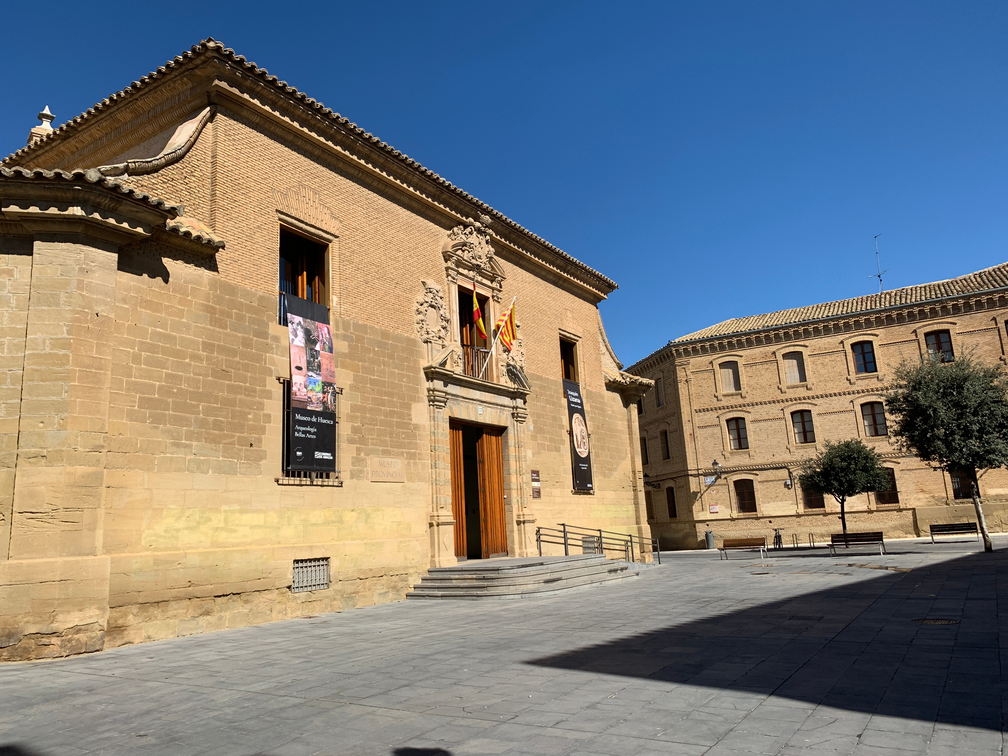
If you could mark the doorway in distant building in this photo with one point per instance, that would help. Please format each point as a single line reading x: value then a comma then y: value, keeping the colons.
x: 477, y: 482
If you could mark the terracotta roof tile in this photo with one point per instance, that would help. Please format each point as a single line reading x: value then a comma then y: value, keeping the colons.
x: 988, y: 279
x: 92, y: 176
x: 210, y: 45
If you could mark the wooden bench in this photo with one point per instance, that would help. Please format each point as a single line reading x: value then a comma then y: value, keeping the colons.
x: 954, y: 528
x: 856, y: 539
x: 740, y: 544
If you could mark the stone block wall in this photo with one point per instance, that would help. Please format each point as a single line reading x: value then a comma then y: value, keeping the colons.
x: 697, y: 409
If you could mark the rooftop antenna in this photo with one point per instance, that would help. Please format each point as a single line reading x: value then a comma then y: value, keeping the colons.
x: 878, y: 266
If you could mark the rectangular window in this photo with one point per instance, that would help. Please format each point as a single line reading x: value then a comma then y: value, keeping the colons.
x: 864, y: 357
x: 745, y: 496
x: 475, y: 346
x: 302, y: 270
x: 731, y: 381
x: 873, y: 414
x: 649, y: 506
x: 962, y: 484
x: 660, y: 392
x: 670, y: 502
x: 794, y: 368
x: 889, y: 495
x: 643, y: 450
x: 663, y: 437
x: 568, y: 360
x: 939, y: 345
x: 804, y: 433
x: 640, y: 406
x: 737, y: 433
x: 813, y: 500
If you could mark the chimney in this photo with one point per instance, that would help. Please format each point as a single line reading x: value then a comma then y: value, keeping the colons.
x: 44, y: 128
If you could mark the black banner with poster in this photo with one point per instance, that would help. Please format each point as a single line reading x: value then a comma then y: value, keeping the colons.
x: 580, y: 446
x: 311, y: 440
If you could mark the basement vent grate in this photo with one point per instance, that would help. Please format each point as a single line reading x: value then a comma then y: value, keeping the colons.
x: 936, y: 621
x: 310, y: 575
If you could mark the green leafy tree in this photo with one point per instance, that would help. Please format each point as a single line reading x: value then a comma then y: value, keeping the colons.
x: 842, y: 470
x: 953, y: 416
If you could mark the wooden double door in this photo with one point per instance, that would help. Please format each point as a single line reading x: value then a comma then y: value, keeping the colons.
x: 477, y: 479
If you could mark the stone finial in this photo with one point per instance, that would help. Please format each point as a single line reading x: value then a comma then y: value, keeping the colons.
x: 44, y: 128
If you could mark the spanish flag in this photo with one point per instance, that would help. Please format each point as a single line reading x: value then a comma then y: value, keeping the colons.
x: 505, y: 327
x: 477, y: 315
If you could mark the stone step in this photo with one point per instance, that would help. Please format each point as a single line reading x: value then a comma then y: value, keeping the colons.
x: 515, y: 578
x: 520, y: 577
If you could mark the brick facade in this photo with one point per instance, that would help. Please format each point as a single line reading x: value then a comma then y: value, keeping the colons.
x: 142, y: 493
x: 699, y: 405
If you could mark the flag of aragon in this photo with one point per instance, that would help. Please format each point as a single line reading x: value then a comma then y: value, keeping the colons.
x: 506, y: 327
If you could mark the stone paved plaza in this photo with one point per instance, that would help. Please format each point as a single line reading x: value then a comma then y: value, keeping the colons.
x: 801, y: 654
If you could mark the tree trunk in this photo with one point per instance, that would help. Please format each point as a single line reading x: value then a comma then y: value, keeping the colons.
x: 843, y: 514
x: 988, y: 546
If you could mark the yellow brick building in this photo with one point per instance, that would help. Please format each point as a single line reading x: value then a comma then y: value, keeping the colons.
x: 145, y: 486
x: 737, y: 407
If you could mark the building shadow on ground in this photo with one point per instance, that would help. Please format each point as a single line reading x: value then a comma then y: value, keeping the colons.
x: 13, y: 749
x: 859, y: 647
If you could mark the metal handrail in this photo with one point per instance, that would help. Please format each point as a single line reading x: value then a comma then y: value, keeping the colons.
x: 600, y: 540
x: 474, y: 360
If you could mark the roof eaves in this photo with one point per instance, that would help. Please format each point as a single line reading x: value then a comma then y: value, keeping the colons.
x: 838, y: 316
x: 210, y: 45
x: 91, y: 176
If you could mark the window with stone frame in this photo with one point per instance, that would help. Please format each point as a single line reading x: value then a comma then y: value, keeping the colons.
x: 738, y: 438
x: 890, y: 495
x: 873, y: 415
x: 813, y: 499
x: 568, y: 360
x: 962, y: 483
x: 302, y: 270
x: 801, y: 421
x: 864, y: 357
x: 663, y: 439
x: 731, y: 380
x: 745, y: 496
x: 643, y: 450
x: 475, y: 346
x: 660, y: 392
x: 670, y: 503
x: 794, y: 368
x: 939, y: 346
x: 649, y: 506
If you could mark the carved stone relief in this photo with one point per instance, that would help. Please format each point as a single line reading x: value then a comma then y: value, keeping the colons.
x: 432, y: 320
x: 468, y: 254
x: 512, y: 369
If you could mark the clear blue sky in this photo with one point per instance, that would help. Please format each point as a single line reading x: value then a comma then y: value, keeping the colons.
x: 715, y: 159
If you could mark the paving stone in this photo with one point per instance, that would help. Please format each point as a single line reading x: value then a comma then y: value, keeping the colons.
x: 818, y: 657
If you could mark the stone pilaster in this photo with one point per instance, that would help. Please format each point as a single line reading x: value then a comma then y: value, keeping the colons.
x: 441, y: 522
x: 524, y: 519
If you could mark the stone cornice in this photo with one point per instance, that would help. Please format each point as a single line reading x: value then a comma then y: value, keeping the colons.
x: 176, y: 86
x: 839, y: 325
x: 793, y: 399
x: 78, y: 208
x: 437, y: 374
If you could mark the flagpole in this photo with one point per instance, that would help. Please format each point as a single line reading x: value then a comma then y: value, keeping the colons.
x: 499, y: 331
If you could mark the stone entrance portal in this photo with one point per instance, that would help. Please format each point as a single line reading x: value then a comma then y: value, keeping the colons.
x: 477, y: 486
